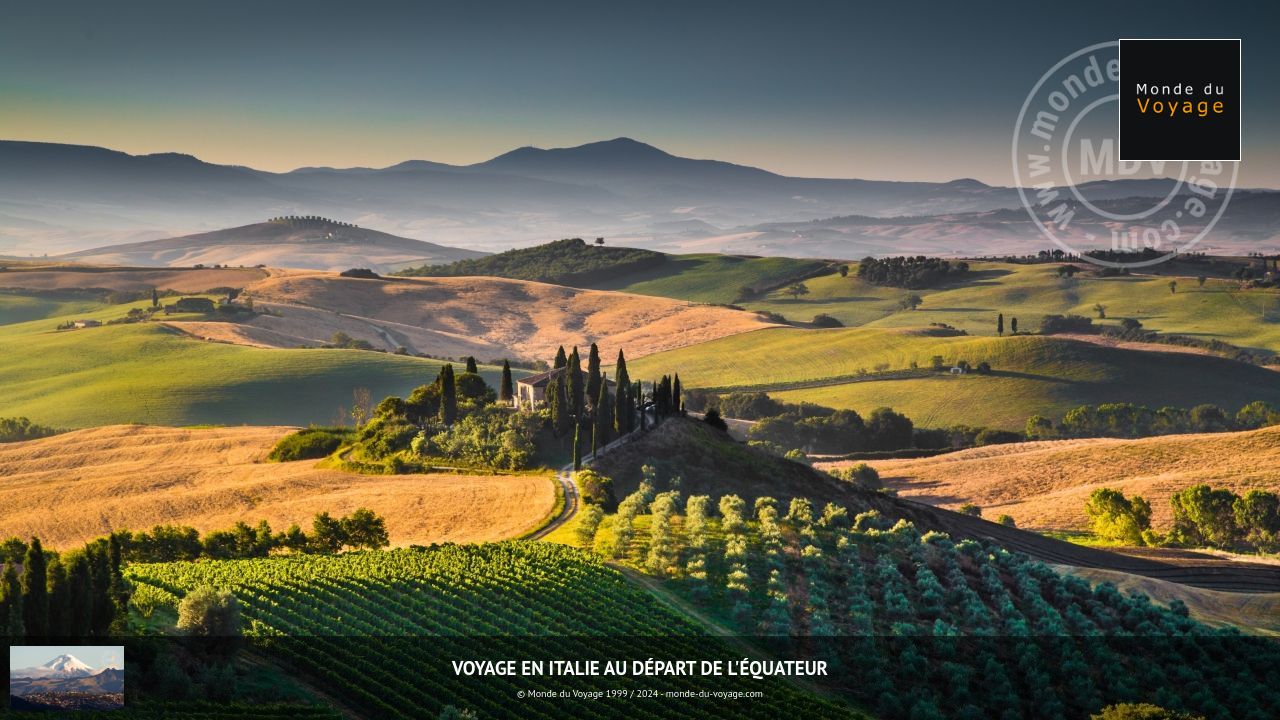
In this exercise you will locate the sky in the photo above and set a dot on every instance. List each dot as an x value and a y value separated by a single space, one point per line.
95 656
899 91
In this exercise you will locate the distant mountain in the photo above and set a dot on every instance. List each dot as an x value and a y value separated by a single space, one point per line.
60 667
105 681
64 198
318 244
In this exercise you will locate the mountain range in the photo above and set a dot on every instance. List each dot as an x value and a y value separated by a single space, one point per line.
57 199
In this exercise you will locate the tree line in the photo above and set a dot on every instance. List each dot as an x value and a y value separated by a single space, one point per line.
913 272
1127 420
362 529
77 594
1203 516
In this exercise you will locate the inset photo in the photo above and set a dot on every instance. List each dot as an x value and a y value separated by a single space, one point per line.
66 677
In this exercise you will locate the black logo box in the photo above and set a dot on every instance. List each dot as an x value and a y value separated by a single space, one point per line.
1193 64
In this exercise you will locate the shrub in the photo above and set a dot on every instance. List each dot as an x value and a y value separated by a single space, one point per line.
823 320
1051 324
209 613
712 418
309 444
1006 520
970 509
992 436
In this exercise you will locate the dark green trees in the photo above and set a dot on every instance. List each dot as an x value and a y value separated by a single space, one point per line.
471 365
1000 324
575 384
35 591
593 373
624 399
11 603
603 418
505 390
448 395
561 360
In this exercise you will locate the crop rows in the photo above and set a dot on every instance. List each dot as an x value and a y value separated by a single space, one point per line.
378 630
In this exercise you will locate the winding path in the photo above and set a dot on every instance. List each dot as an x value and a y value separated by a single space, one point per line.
565 478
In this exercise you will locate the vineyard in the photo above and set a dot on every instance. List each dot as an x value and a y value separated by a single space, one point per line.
379 630
918 626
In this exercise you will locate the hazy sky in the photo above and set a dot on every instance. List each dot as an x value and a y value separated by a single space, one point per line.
95 656
877 90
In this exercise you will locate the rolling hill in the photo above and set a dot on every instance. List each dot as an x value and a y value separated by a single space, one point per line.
487 317
311 244
1044 485
80 485
1031 374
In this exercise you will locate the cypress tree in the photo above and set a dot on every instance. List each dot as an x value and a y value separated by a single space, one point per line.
577 390
561 361
11 603
1000 324
677 401
59 599
623 410
103 605
1013 326
577 446
448 395
505 390
35 591
80 591
471 365
593 373
558 405
155 298
644 417
604 419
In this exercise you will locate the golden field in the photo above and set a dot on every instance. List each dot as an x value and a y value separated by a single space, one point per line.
1044 485
73 487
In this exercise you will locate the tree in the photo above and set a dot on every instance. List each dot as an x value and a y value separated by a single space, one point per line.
911 302
1257 414
327 534
577 446
1203 515
80 592
1013 326
471 386
603 417
1200 280
1000 324
1173 286
624 401
795 290
1115 517
1039 427
155 298
593 373
594 488
505 390
1006 520
207 612
1257 516
471 365
35 591
843 270
1101 310
448 395
677 399
364 529
561 360
712 418
888 430
11 614
575 386
970 509
59 599
1208 418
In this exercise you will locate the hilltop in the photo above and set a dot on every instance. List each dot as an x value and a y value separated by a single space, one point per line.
313 243
1045 484
487 317
73 487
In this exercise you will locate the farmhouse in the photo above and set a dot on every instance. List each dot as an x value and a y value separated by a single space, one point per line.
88 323
531 390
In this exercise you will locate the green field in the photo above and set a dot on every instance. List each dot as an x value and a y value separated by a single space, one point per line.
150 373
1031 374
23 308
1248 318
710 278
380 630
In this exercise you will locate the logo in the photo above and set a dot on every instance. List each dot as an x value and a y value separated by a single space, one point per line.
1082 196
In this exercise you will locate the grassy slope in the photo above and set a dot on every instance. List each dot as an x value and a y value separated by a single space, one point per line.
152 374
1033 374
1249 318
709 277
24 308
